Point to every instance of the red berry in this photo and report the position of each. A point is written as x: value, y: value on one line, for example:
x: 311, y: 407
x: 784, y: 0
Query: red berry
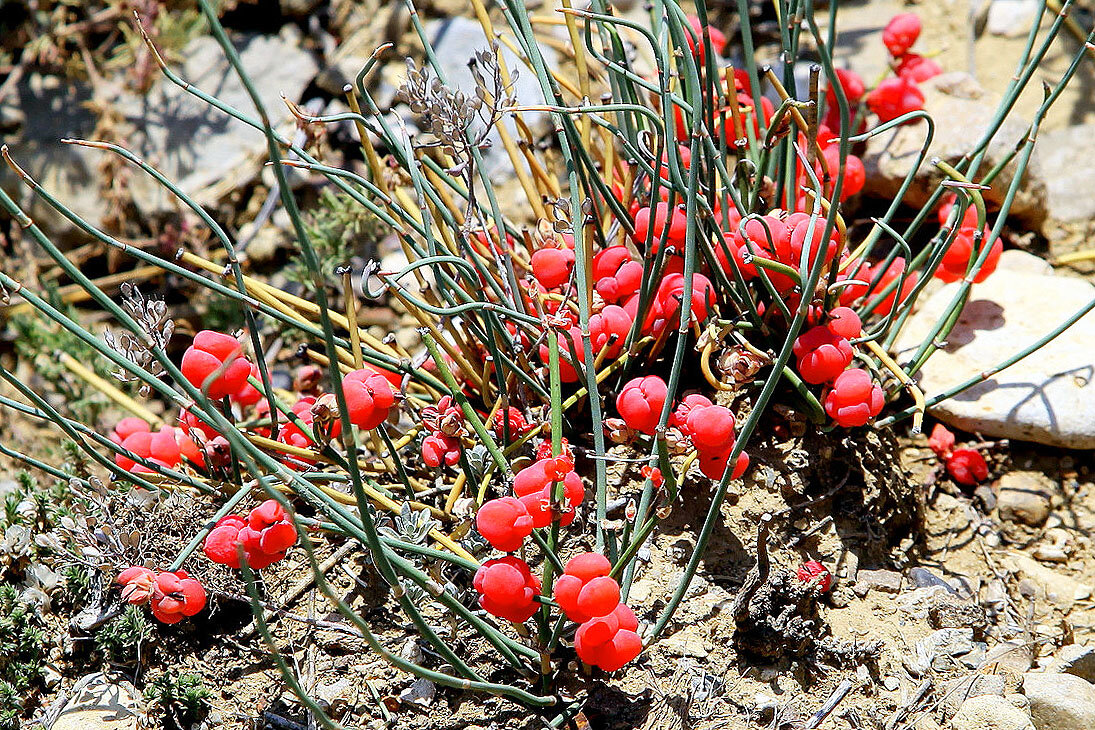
x: 915, y: 67
x: 567, y: 372
x: 195, y: 427
x: 552, y: 266
x: 900, y: 33
x: 670, y: 294
x: 967, y: 466
x: 867, y: 272
x: 678, y: 225
x: 507, y: 588
x: 265, y: 534
x: 957, y: 258
x: 640, y: 403
x: 711, y: 428
x: 679, y: 417
x: 292, y: 435
x: 854, y: 398
x: 718, y: 40
x: 369, y: 398
x: 814, y: 571
x: 598, y: 597
x: 608, y: 330
x: 894, y: 97
x: 138, y: 443
x: 127, y: 427
x: 504, y: 523
x: 616, y: 273
x: 533, y: 486
x: 248, y: 395
x: 853, y: 88
x: 822, y: 355
x: 713, y: 464
x: 176, y: 596
x: 438, y: 448
x: 844, y: 322
x: 612, y: 653
x: 206, y: 355
x: 580, y: 571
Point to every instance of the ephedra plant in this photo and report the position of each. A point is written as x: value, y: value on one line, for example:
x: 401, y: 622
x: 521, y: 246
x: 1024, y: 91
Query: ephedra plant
x: 684, y: 226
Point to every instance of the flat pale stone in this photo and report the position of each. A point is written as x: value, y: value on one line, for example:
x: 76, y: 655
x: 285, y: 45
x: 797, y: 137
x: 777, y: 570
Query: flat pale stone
x: 1060, y: 701
x: 100, y: 703
x: 1047, y: 397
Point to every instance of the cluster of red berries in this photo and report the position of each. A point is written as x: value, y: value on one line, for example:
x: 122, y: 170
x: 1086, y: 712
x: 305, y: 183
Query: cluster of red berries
x: 264, y: 534
x: 824, y: 353
x: 961, y: 254
x: 901, y: 94
x: 708, y: 426
x: 171, y: 596
x: 965, y: 466
x: 167, y: 447
x: 607, y: 629
x: 506, y: 522
x: 444, y: 426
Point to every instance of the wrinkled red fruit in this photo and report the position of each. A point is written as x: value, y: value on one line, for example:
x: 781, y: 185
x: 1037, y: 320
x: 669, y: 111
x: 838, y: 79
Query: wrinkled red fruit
x: 822, y: 355
x: 507, y: 588
x: 813, y: 571
x: 138, y: 584
x: 504, y: 523
x: 369, y: 398
x: 854, y: 398
x: 900, y: 33
x: 894, y: 97
x: 208, y: 353
x: 967, y: 466
x: 640, y: 403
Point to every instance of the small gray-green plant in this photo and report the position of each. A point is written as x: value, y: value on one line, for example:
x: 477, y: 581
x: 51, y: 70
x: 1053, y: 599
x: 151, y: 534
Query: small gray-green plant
x: 122, y: 638
x: 184, y: 698
x: 22, y: 655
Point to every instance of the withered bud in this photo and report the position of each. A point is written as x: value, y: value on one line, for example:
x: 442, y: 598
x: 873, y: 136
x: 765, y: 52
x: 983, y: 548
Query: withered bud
x: 307, y: 378
x: 218, y: 453
x: 618, y: 431
x: 324, y: 413
x: 740, y: 364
